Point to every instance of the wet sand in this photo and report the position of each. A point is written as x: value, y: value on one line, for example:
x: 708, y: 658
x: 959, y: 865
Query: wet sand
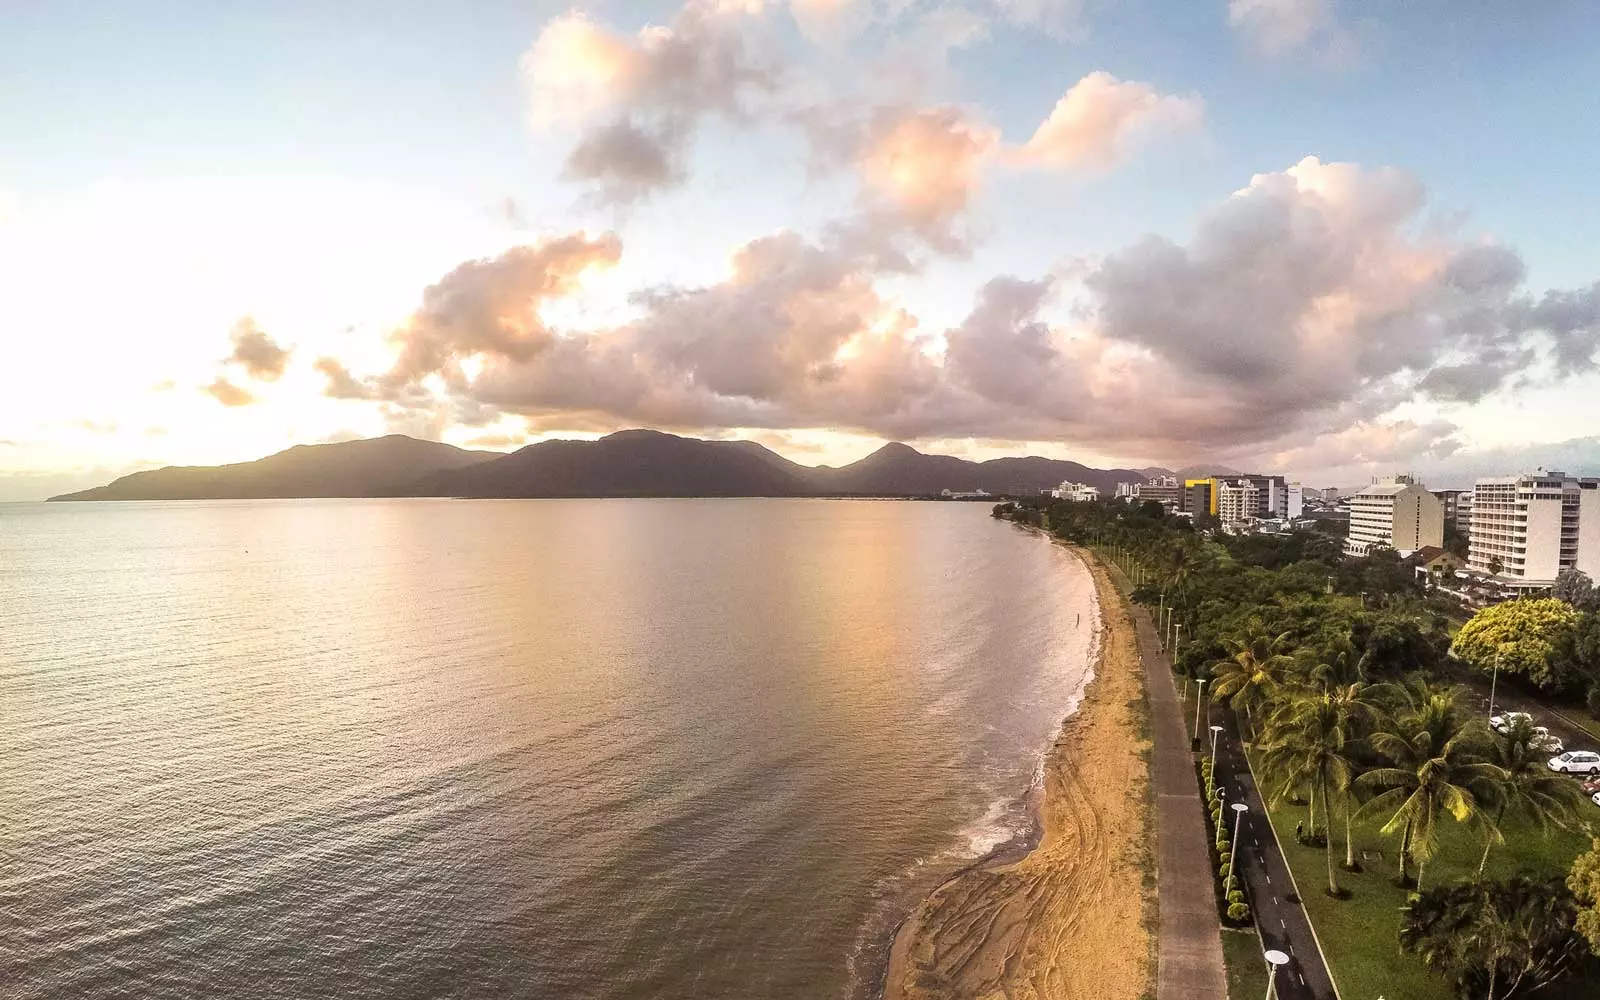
x: 1071, y: 918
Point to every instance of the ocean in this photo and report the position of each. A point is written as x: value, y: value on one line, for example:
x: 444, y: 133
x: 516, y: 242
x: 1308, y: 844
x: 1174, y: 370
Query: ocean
x: 492, y: 749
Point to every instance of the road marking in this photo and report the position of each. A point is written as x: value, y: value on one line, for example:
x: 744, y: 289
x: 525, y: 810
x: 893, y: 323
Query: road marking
x: 1269, y: 879
x: 1274, y: 900
x: 1302, y: 978
x: 1282, y: 924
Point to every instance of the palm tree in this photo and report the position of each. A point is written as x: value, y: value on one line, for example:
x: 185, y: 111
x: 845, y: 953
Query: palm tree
x: 1253, y: 671
x: 1312, y: 739
x: 1524, y: 786
x: 1435, y: 766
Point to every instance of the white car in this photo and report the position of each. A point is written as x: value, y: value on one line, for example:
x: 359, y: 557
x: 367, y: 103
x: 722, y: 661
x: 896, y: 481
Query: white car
x: 1577, y: 762
x: 1595, y: 798
x: 1503, y: 723
x: 1542, y: 740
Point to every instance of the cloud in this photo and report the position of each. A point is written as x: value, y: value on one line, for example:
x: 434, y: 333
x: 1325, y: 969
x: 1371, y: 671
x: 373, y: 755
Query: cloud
x: 637, y: 102
x: 1063, y: 20
x: 491, y: 307
x: 830, y: 22
x: 258, y: 354
x: 341, y: 384
x: 1305, y: 309
x: 227, y: 393
x: 1101, y: 118
x: 1281, y: 28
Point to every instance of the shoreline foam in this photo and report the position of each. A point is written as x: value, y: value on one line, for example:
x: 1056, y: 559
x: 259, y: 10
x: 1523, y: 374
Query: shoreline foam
x: 1063, y: 914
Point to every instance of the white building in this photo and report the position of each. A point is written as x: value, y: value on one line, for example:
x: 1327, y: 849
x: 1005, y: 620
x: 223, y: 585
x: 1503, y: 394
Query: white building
x: 1077, y: 492
x: 1532, y: 527
x: 1394, y: 514
x: 1127, y: 490
x: 1238, y: 500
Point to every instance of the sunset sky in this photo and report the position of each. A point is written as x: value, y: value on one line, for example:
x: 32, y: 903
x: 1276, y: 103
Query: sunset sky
x: 1325, y: 237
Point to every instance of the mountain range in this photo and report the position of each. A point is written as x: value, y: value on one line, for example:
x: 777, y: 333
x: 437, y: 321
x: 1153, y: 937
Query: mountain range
x: 634, y: 463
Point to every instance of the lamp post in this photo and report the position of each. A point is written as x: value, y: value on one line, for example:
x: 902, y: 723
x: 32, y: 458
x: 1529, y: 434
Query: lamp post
x: 1199, y: 699
x: 1494, y: 680
x: 1214, y: 731
x: 1275, y: 961
x: 1239, y: 809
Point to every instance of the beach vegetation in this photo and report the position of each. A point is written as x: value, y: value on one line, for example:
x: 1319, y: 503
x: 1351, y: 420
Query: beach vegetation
x: 1345, y: 677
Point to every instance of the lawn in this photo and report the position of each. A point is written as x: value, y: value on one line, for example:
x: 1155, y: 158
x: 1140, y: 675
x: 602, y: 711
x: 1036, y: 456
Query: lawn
x: 1247, y: 970
x: 1359, y: 935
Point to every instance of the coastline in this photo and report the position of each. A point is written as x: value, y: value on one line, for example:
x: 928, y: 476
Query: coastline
x: 1072, y: 916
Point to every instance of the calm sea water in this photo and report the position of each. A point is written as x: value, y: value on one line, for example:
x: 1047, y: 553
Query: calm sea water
x: 576, y: 749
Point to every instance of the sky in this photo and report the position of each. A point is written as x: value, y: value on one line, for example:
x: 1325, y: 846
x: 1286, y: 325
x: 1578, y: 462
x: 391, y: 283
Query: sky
x: 1329, y: 238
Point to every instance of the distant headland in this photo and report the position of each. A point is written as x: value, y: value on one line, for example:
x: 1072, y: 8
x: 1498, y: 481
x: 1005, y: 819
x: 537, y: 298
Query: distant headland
x: 632, y: 463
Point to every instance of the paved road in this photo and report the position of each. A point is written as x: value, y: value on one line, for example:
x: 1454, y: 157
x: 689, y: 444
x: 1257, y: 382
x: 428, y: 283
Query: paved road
x: 1283, y: 923
x: 1189, y: 946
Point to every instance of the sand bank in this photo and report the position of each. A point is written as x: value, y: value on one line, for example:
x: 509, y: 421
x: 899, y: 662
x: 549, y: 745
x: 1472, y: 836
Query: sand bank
x: 1071, y: 918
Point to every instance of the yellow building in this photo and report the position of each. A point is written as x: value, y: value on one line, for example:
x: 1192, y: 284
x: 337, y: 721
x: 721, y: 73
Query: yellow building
x: 1212, y: 484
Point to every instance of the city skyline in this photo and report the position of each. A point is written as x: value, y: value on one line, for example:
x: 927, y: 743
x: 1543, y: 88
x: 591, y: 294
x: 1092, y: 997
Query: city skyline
x: 1326, y: 239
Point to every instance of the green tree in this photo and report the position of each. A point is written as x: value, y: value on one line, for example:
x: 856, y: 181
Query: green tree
x: 1584, y: 881
x: 1495, y: 939
x: 1435, y: 765
x: 1575, y: 587
x: 1524, y: 786
x: 1253, y: 670
x: 1529, y: 637
x: 1309, y: 739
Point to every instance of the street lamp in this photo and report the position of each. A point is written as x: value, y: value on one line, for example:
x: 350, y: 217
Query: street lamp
x: 1275, y: 960
x: 1239, y: 809
x: 1199, y: 699
x: 1214, y: 731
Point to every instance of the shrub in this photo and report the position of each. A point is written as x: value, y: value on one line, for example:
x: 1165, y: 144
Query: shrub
x: 1236, y: 896
x: 1238, y: 912
x: 1594, y: 701
x: 1222, y: 871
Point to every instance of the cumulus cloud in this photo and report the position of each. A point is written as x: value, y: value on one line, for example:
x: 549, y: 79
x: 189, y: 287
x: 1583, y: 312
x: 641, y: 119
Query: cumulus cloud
x: 1101, y: 117
x: 638, y: 101
x: 491, y: 307
x: 1281, y: 28
x: 1305, y: 309
x: 341, y: 384
x: 257, y: 353
x: 226, y: 393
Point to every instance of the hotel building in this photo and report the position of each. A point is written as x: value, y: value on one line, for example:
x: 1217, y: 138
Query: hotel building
x: 1395, y: 514
x: 1530, y: 528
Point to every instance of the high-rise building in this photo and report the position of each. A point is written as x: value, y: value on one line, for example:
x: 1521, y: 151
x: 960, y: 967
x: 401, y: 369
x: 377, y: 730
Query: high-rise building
x: 1455, y: 502
x: 1527, y: 529
x: 1127, y: 490
x: 1200, y: 497
x: 1165, y: 490
x: 1396, y: 514
x: 1238, y: 500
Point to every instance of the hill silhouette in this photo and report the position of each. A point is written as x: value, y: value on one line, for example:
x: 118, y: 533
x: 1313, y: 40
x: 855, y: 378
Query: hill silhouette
x: 373, y: 467
x: 633, y: 463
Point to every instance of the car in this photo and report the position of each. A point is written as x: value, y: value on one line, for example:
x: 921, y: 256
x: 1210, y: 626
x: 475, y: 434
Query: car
x: 1542, y: 740
x: 1503, y: 723
x: 1591, y: 786
x: 1577, y: 762
x: 1595, y: 798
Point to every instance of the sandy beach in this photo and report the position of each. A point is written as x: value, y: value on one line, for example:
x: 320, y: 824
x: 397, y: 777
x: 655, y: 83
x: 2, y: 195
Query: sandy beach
x: 1070, y: 919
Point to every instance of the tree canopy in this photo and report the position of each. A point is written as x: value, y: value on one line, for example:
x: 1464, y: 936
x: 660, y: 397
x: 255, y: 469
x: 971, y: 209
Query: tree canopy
x: 1530, y: 637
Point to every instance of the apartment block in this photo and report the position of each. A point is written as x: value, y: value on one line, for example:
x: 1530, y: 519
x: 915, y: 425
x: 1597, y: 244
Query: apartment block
x: 1395, y: 514
x: 1527, y: 529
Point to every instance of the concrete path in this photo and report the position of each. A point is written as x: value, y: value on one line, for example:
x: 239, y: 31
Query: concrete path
x: 1190, y: 947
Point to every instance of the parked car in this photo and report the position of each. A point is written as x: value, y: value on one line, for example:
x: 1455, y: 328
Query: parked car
x: 1577, y: 762
x: 1595, y: 798
x: 1591, y: 786
x: 1503, y: 723
x: 1542, y: 740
